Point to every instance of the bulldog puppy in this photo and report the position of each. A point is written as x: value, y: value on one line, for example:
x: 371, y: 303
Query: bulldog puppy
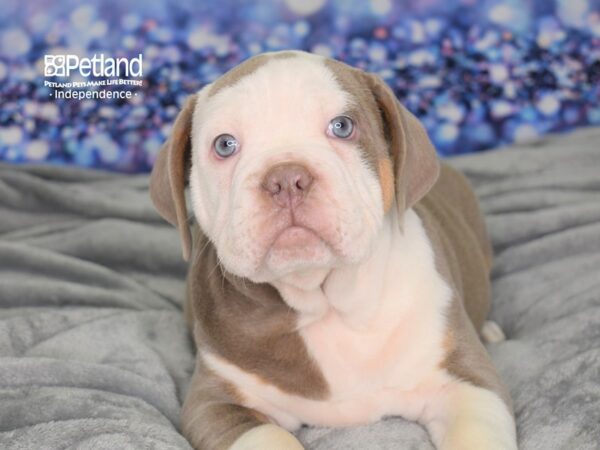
x: 338, y: 273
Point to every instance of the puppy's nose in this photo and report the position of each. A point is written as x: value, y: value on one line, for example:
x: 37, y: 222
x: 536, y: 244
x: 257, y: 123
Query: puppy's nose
x: 288, y: 184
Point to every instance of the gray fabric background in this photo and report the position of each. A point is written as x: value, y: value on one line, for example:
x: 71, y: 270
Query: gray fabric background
x: 94, y: 353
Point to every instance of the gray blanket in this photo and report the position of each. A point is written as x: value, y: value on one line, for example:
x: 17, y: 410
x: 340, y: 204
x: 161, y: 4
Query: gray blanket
x: 94, y: 353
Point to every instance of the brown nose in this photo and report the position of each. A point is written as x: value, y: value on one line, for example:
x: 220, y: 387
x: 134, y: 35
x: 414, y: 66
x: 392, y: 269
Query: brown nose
x: 288, y: 184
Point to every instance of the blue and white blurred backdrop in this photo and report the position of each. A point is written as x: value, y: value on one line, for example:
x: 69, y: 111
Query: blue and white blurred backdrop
x: 479, y: 73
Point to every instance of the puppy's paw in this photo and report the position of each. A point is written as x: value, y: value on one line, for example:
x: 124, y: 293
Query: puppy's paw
x: 473, y: 418
x: 475, y: 439
x: 266, y: 437
x: 491, y: 333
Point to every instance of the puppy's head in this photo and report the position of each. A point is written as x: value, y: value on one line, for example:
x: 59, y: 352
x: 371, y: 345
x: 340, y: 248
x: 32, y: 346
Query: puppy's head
x: 293, y: 160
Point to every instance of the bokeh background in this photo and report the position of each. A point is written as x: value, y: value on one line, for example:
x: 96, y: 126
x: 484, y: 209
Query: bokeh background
x: 478, y: 73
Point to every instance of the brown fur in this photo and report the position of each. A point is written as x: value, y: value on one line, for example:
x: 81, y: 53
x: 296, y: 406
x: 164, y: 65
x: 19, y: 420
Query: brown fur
x: 416, y: 166
x: 170, y: 175
x: 250, y: 326
x: 227, y: 310
x: 212, y: 417
x: 365, y: 112
x: 452, y: 218
x: 463, y: 254
x: 389, y: 131
x: 386, y: 180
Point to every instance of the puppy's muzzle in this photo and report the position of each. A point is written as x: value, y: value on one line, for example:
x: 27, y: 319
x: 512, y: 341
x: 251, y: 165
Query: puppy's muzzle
x: 288, y: 184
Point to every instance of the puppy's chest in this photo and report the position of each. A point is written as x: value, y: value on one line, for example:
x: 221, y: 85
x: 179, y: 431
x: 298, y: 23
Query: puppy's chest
x: 379, y: 345
x: 389, y: 367
x: 391, y: 353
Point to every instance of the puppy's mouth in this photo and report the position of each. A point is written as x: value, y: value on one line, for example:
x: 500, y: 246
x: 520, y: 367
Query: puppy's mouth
x: 295, y: 238
x: 297, y: 247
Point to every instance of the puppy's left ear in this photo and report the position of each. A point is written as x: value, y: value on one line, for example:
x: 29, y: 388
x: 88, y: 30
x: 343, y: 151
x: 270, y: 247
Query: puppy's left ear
x: 170, y: 175
x: 416, y: 165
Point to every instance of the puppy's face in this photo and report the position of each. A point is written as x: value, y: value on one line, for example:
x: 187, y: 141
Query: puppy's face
x: 288, y: 169
x: 295, y: 160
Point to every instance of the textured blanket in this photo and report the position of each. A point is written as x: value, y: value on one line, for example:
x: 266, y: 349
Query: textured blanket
x: 94, y: 353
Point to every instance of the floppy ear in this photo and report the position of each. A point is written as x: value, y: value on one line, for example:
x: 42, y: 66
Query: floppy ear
x: 416, y: 166
x: 170, y: 175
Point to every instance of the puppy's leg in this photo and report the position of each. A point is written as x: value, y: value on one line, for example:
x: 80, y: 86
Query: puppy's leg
x: 213, y: 419
x: 466, y: 417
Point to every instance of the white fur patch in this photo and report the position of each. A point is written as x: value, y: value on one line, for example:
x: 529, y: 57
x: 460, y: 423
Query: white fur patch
x: 467, y: 417
x: 280, y: 113
x: 378, y: 343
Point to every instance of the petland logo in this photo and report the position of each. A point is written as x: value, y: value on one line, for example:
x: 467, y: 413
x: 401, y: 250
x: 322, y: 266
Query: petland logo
x: 98, y: 66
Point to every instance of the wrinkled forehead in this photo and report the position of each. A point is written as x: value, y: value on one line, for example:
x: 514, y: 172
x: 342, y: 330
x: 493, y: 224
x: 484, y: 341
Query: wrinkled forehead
x: 284, y: 84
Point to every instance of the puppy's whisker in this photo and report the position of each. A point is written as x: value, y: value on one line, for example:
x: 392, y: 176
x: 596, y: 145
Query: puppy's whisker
x: 220, y: 264
x: 204, y: 247
x: 214, y: 268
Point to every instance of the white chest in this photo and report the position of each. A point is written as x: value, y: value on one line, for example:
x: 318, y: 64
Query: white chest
x: 386, y: 364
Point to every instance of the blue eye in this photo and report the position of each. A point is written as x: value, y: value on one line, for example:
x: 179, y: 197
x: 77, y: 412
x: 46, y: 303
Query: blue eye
x: 225, y: 145
x: 341, y: 126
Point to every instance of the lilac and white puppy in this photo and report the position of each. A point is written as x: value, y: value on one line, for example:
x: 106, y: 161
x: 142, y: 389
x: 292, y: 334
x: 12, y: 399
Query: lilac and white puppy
x: 339, y: 273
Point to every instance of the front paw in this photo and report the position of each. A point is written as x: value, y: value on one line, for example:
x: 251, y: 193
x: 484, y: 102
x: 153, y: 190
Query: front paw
x: 468, y: 437
x: 471, y: 418
x: 266, y: 437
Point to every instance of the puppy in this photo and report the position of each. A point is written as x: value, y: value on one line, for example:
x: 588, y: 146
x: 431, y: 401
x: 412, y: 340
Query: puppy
x: 338, y: 273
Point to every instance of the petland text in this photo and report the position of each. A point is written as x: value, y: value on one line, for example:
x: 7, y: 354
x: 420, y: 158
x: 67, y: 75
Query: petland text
x: 97, y: 66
